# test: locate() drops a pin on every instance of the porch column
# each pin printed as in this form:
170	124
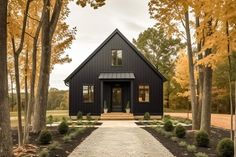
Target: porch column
101	96
131	96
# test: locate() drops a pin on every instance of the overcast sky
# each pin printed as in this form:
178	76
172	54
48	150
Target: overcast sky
130	16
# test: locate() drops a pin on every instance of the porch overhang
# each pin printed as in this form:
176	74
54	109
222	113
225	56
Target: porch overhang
116	76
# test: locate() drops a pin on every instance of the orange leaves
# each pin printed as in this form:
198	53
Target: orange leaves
181	73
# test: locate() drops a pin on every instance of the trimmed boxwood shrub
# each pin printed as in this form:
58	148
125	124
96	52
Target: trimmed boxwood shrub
168	126
89	117
146	116
63	127
180	131
79	115
225	148
202	139
45	137
166	118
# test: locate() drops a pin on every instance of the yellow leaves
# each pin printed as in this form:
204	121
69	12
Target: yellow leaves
93	3
181	72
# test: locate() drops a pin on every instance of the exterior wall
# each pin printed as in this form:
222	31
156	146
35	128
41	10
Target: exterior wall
101	62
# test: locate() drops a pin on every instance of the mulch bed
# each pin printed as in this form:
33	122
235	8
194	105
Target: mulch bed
65	148
145	123
216	135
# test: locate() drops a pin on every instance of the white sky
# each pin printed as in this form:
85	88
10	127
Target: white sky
131	17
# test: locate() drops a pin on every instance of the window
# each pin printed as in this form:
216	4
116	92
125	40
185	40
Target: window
143	93
88	94
116	57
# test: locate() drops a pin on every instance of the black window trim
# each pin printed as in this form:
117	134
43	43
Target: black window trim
86	84
121	58
144	84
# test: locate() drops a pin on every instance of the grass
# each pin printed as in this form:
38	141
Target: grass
55	113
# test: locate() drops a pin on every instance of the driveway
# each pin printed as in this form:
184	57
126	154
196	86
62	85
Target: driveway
114	139
218	120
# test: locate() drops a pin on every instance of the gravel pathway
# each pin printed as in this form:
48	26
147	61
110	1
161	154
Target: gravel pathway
120	141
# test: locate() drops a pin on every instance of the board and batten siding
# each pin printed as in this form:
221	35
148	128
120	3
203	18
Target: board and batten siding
101	62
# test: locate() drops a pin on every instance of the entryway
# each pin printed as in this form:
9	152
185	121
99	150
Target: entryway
116	104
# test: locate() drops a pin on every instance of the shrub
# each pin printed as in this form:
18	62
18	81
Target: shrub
167	134
80	130
168	126
146	116
63	127
45	137
191	148
79	115
88	116
66	138
64	119
202	139
44	153
174	139
225	148
166	118
200	154
180	131
50	120
74	134
158	130
182	144
54	145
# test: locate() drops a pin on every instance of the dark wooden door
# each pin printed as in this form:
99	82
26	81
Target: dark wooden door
116	99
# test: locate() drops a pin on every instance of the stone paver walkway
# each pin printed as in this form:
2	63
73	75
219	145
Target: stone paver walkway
120	139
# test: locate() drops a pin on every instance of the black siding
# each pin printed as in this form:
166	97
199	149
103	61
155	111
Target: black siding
101	62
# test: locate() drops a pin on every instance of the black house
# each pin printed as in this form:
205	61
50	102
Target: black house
116	75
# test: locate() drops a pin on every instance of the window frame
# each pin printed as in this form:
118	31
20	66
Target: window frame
116	50
93	95
144	85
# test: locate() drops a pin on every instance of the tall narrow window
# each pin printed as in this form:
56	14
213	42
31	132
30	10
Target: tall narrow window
116	57
88	94
143	93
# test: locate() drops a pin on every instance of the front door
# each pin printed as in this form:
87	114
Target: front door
116	99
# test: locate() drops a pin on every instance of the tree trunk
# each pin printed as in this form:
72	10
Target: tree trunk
16	54
26	83
200	80
18	96
207	87
191	74
48	29
235	116
5	128
32	83
12	93
206	97
230	80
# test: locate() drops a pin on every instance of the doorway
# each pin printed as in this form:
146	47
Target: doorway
116	99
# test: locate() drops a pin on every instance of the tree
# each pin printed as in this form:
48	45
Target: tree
5	132
161	50
172	15
48	28
49	24
16	53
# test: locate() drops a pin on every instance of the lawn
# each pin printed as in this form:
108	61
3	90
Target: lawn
55	113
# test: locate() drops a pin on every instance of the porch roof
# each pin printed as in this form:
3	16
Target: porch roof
103	76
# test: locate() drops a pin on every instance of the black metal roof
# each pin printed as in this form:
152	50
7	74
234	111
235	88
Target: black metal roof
116	75
107	40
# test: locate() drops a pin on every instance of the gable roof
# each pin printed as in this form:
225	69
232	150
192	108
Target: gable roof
104	43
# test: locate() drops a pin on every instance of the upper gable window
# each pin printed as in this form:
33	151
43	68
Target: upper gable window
116	57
